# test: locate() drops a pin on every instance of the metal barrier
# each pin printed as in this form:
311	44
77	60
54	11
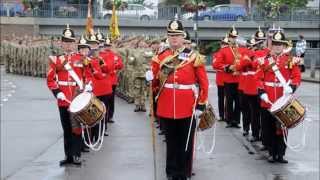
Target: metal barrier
161	12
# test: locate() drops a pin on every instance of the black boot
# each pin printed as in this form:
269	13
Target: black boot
282	160
137	109
76	160
66	161
143	108
272	159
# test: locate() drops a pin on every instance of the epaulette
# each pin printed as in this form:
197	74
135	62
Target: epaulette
199	59
162	51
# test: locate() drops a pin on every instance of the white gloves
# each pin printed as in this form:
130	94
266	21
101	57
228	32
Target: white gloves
265	98
260	60
197	113
287	90
61	96
88	87
149	75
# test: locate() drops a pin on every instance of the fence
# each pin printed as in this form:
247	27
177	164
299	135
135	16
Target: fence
165	12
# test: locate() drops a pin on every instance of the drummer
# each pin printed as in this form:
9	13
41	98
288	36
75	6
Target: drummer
273	85
64	88
102	87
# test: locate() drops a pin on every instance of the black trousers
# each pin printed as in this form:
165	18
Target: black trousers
254	114
232	103
72	142
273	141
245	110
221	106
106	101
179	161
111	104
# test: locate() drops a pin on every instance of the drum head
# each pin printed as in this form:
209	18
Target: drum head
79	102
280	103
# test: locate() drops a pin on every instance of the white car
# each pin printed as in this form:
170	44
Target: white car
133	11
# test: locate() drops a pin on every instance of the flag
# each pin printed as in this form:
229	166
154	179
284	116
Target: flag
89	24
113	27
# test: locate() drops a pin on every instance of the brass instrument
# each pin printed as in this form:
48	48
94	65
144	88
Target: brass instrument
236	56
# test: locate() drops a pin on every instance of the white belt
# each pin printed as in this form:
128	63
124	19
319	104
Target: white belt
249	73
67	83
273	84
179	86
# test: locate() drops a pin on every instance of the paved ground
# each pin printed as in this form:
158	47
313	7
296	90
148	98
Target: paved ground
31	143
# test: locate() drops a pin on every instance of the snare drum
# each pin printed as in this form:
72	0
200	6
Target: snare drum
289	111
87	109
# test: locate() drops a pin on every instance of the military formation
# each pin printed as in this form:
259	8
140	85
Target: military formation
29	56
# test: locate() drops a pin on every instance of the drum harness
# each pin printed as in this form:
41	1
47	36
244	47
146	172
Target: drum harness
283	83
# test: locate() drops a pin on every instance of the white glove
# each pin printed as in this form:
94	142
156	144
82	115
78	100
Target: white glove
61	96
197	113
260	60
265	98
296	60
287	90
149	75
88	87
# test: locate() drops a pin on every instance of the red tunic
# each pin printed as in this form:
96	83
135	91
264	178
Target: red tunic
114	63
270	83
225	58
175	103
100	81
245	56
219	73
59	79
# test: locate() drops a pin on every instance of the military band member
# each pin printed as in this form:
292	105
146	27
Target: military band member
272	86
115	60
176	71
65	87
225	61
102	87
220	79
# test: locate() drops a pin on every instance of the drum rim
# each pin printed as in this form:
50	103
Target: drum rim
290	99
86	106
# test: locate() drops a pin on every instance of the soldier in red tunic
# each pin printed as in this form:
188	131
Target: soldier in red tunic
65	79
181	83
115	64
100	70
220	80
225	61
271	88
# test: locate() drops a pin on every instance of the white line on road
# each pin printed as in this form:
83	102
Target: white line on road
5	99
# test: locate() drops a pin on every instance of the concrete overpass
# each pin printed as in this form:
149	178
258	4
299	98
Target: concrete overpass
208	30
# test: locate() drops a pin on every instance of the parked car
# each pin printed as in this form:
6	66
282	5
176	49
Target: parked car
224	12
133	11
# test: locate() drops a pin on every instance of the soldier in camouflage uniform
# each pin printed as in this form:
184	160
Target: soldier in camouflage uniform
140	87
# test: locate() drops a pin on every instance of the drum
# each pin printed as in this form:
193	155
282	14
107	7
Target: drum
289	111
87	109
208	118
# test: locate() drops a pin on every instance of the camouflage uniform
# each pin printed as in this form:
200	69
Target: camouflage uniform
140	87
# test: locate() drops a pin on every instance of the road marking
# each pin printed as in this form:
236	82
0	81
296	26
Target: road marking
9	95
5	99
13	86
